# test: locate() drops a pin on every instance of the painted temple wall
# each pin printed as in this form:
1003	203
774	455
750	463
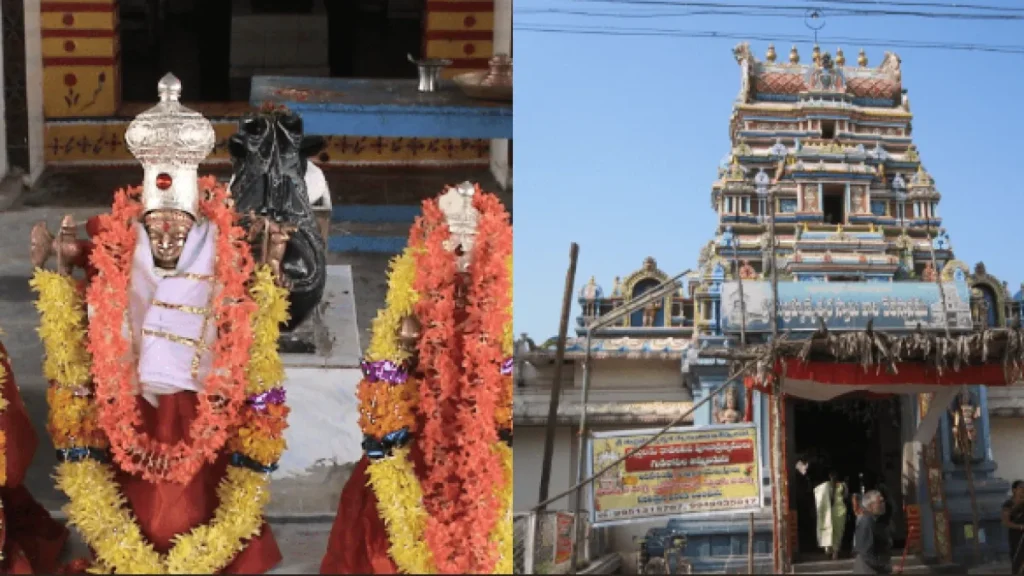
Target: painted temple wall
500	149
528	458
1007	440
34	97
4	166
613	381
74	77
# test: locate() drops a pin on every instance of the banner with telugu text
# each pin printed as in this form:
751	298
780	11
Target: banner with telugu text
699	470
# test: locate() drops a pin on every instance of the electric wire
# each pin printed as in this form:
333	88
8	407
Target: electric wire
761	37
791	8
949	6
764	13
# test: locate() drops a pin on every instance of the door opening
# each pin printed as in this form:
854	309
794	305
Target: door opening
857	437
828	129
833	204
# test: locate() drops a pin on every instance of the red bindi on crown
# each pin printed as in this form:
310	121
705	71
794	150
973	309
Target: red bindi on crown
163	181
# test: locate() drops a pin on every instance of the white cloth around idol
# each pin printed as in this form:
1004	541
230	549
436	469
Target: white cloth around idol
165	366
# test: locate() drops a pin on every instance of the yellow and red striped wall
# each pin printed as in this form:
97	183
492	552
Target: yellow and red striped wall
462	31
81	58
85	118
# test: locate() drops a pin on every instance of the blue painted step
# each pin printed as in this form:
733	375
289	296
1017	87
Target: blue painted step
364	228
375	213
360	243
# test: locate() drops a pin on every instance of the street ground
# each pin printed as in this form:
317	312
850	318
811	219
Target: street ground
84	193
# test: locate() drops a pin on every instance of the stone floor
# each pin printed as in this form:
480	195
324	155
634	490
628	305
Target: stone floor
302	536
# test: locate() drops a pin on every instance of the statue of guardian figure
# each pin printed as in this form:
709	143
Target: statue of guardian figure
270	159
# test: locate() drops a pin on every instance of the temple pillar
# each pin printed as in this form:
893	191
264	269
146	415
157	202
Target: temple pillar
846	202
714	542
821	199
989	491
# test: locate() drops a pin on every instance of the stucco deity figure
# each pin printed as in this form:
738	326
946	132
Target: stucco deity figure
728	414
928	274
651	312
965	416
810	199
747	271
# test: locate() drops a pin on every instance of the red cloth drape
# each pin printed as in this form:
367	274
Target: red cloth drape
359	540
32	540
907	373
164	510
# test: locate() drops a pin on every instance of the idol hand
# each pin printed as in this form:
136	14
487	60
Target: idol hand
277	244
67	247
41	245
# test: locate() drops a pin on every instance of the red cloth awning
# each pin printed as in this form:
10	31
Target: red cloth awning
824	381
907	373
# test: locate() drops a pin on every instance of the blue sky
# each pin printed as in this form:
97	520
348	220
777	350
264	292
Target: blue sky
618	138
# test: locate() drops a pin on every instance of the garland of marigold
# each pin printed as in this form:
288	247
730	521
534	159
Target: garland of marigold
96	505
392	478
223	386
462	520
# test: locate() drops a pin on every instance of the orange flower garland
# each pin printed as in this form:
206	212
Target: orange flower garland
224	386
462	387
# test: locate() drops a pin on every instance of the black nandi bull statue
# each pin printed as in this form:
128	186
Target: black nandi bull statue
269	156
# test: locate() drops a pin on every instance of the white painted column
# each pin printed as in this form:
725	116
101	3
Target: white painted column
501	149
4	166
34	90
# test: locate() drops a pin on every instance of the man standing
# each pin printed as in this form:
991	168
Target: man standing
872	542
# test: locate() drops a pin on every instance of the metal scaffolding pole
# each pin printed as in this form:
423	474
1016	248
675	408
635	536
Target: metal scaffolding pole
781	559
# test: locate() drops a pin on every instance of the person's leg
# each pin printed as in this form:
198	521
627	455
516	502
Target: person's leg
1017	555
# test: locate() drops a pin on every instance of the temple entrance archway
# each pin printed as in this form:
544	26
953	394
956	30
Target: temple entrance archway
859	437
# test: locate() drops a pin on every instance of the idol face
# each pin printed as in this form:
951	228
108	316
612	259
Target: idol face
167	230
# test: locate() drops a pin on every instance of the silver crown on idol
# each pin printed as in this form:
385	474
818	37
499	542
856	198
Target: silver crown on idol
170	141
457	205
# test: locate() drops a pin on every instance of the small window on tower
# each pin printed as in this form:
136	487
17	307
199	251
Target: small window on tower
828	129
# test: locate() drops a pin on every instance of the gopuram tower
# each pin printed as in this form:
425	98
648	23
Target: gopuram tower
859	246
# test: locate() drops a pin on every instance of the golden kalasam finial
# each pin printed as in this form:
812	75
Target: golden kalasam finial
805	227
816	54
794	56
771	55
839	228
871	226
862	59
840	57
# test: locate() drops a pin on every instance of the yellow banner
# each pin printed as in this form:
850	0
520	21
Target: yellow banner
685	471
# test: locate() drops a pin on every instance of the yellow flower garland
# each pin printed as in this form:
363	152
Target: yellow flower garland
400	498
393	478
96	505
503	530
398	303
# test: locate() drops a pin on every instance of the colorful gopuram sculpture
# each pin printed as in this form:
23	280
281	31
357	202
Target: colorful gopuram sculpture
824	148
166	400
433	492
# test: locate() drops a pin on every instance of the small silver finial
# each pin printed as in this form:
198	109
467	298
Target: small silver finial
467	188
169	88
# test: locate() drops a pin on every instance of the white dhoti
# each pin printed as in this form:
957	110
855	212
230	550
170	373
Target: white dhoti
823	506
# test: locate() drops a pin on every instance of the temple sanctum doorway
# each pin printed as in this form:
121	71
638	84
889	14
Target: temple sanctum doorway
856	439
